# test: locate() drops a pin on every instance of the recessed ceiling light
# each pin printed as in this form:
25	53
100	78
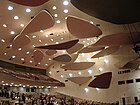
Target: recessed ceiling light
66	17
55	87
91	22
62	38
22	25
50	72
13	56
70	75
40	40
90	71
46	64
100	69
61	76
55	15
58	21
10	8
86	89
22	59
66	11
31	61
79	73
65	2
3	40
56	42
47	35
46	44
33	45
12	32
33	36
41	31
16	17
5	53
2	81
106	60
19	49
39	63
27	52
4	25
50	59
51	39
97	89
54	7
28	10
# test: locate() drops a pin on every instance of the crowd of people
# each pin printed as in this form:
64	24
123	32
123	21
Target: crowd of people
43	99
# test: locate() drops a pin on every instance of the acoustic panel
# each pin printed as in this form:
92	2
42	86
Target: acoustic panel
50	52
79	80
81	28
78	66
20	41
101	81
38	56
63	58
61	46
29	2
43	20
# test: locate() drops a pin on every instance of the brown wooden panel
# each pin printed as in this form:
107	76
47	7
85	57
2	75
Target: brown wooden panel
63	58
20	41
81	28
38	56
29	2
78	65
43	20
75	48
107	51
118	39
61	46
79	80
90	49
50	52
101	81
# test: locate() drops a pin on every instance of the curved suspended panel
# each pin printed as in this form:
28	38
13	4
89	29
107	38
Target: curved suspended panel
43	20
78	65
61	46
75	48
81	28
102	81
116	11
63	58
20	41
118	39
107	51
90	49
38	56
134	64
29	2
80	80
74	57
50	52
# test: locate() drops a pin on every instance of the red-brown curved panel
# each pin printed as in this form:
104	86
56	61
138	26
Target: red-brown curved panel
50	52
101	81
107	51
63	58
75	48
81	28
20	41
43	20
61	46
114	11
79	80
118	39
38	56
90	49
78	66
30	2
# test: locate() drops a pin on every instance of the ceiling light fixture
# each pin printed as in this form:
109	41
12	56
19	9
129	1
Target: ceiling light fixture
12	32
10	8
55	15
16	17
66	11
22	25
3	40
28	10
65	2
4	25
33	36
54	7
58	21
90	71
